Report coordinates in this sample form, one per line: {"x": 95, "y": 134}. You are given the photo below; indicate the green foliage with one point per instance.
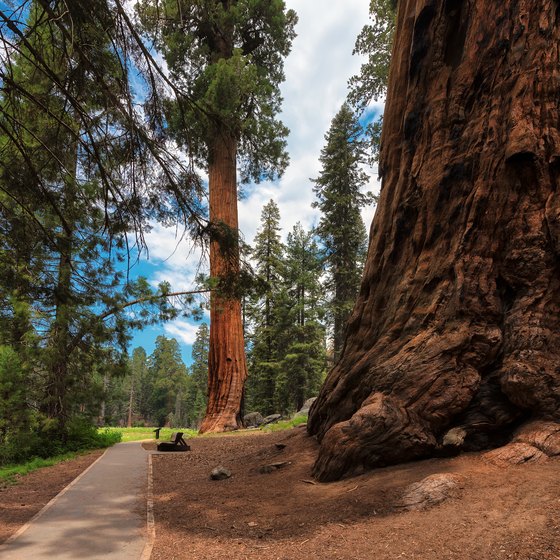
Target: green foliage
{"x": 227, "y": 58}
{"x": 262, "y": 312}
{"x": 10, "y": 473}
{"x": 16, "y": 419}
{"x": 341, "y": 229}
{"x": 286, "y": 338}
{"x": 374, "y": 41}
{"x": 303, "y": 362}
{"x": 169, "y": 382}
{"x": 161, "y": 390}
{"x": 197, "y": 384}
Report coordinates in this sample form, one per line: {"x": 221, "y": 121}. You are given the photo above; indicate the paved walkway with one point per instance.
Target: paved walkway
{"x": 102, "y": 515}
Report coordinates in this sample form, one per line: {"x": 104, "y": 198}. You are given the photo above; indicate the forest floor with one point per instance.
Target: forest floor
{"x": 509, "y": 512}
{"x": 498, "y": 512}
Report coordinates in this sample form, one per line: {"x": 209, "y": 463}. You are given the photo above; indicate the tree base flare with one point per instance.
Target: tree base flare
{"x": 218, "y": 423}
{"x": 381, "y": 433}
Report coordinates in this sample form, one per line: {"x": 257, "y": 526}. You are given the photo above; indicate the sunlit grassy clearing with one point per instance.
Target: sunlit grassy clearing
{"x": 138, "y": 434}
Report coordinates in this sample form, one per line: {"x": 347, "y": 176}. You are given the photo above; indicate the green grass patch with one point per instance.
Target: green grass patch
{"x": 138, "y": 434}
{"x": 9, "y": 473}
{"x": 286, "y": 424}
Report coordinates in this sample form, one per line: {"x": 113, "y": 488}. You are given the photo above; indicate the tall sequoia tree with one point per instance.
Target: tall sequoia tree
{"x": 455, "y": 337}
{"x": 228, "y": 56}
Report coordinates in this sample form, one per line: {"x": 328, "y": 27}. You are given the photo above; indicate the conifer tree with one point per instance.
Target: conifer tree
{"x": 198, "y": 378}
{"x": 264, "y": 355}
{"x": 341, "y": 229}
{"x": 63, "y": 233}
{"x": 375, "y": 41}
{"x": 169, "y": 382}
{"x": 228, "y": 56}
{"x": 299, "y": 330}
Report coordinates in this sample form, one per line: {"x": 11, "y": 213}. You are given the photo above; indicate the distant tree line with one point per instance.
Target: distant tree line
{"x": 159, "y": 389}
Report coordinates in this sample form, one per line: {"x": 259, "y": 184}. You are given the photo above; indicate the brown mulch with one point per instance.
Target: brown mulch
{"x": 19, "y": 502}
{"x": 498, "y": 512}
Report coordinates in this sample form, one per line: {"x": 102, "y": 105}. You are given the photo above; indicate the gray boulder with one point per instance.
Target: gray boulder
{"x": 253, "y": 420}
{"x": 272, "y": 418}
{"x": 306, "y": 406}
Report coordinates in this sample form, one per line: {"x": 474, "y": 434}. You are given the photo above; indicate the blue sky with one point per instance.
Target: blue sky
{"x": 317, "y": 72}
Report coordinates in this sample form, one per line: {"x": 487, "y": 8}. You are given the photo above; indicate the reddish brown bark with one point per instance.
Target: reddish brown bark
{"x": 227, "y": 368}
{"x": 457, "y": 324}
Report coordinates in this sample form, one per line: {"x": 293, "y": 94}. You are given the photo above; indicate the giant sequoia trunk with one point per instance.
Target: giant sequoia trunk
{"x": 457, "y": 324}
{"x": 227, "y": 369}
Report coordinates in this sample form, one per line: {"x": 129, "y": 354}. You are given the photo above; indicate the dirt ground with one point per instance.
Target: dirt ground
{"x": 499, "y": 512}
{"x": 20, "y": 502}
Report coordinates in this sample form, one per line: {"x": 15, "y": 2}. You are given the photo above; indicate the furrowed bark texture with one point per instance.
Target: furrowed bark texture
{"x": 227, "y": 368}
{"x": 455, "y": 337}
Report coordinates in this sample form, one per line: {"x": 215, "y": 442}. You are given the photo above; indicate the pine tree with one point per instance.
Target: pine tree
{"x": 62, "y": 226}
{"x": 341, "y": 229}
{"x": 15, "y": 410}
{"x": 228, "y": 57}
{"x": 300, "y": 333}
{"x": 264, "y": 354}
{"x": 63, "y": 234}
{"x": 374, "y": 41}
{"x": 198, "y": 378}
{"x": 169, "y": 382}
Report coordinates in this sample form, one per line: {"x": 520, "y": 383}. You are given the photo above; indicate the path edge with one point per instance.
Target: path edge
{"x": 49, "y": 504}
{"x": 150, "y": 519}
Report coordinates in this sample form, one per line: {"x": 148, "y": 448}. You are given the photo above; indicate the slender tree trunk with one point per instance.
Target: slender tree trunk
{"x": 227, "y": 369}
{"x": 56, "y": 405}
{"x": 457, "y": 323}
{"x": 103, "y": 407}
{"x": 130, "y": 404}
{"x": 56, "y": 386}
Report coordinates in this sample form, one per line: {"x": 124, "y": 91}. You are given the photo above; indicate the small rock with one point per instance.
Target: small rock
{"x": 430, "y": 491}
{"x": 220, "y": 473}
{"x": 455, "y": 437}
{"x": 272, "y": 418}
{"x": 267, "y": 469}
{"x": 252, "y": 524}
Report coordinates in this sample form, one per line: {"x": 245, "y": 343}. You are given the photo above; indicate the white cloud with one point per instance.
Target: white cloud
{"x": 176, "y": 258}
{"x": 317, "y": 71}
{"x": 182, "y": 330}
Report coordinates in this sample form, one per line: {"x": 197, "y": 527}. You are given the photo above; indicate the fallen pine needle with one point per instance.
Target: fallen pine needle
{"x": 211, "y": 528}
{"x": 306, "y": 540}
{"x": 309, "y": 481}
{"x": 352, "y": 489}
